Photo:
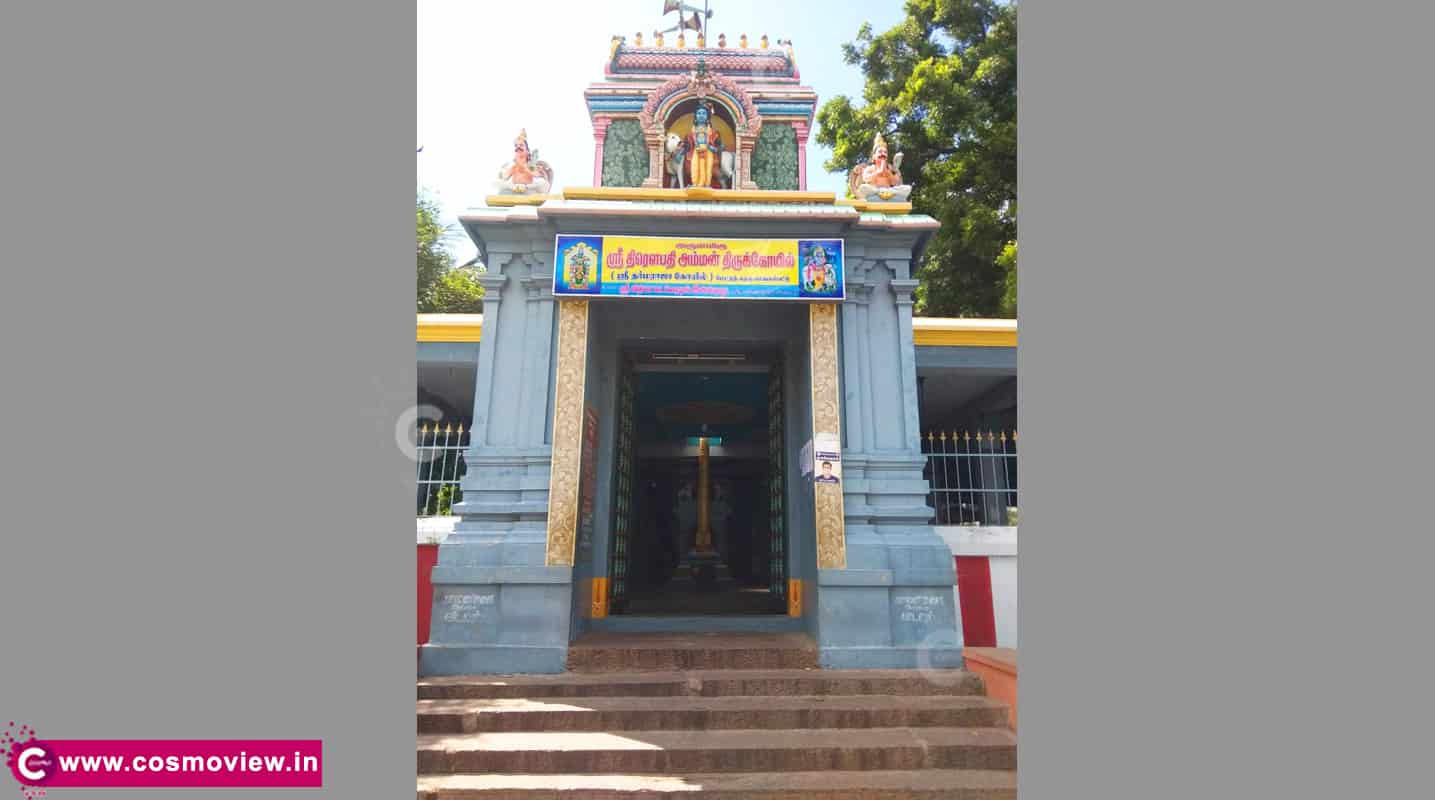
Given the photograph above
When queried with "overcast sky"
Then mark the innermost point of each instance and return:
(486, 69)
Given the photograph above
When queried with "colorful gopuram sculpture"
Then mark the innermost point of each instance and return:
(698, 159)
(525, 174)
(704, 145)
(878, 180)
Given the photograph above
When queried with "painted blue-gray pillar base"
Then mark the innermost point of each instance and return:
(496, 619)
(892, 608)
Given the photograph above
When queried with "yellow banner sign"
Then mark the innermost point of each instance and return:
(651, 266)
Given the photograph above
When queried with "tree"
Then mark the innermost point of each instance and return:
(456, 292)
(442, 287)
(941, 89)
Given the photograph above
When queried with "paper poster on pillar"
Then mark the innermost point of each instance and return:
(827, 458)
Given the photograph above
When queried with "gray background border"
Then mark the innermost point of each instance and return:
(209, 341)
(1224, 211)
(1223, 421)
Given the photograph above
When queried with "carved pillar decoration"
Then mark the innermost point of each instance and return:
(826, 418)
(492, 282)
(654, 138)
(744, 165)
(902, 293)
(564, 478)
(859, 437)
(801, 129)
(600, 132)
(533, 393)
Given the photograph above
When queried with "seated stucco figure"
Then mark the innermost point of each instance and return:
(878, 180)
(525, 174)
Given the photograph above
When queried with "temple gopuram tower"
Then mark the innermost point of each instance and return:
(759, 106)
(696, 398)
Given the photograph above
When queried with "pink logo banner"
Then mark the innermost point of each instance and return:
(167, 763)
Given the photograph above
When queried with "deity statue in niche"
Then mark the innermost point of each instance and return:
(878, 179)
(699, 158)
(525, 174)
(704, 145)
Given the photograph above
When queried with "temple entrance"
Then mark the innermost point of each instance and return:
(699, 524)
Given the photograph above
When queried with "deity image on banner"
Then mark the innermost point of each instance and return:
(578, 265)
(821, 269)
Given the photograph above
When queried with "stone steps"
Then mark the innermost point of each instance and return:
(706, 713)
(725, 715)
(871, 785)
(704, 683)
(629, 652)
(686, 751)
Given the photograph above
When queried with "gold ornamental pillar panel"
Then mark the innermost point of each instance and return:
(563, 478)
(826, 419)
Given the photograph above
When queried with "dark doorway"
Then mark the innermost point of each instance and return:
(674, 402)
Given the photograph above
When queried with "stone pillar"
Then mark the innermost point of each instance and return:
(654, 140)
(499, 607)
(826, 420)
(801, 129)
(891, 605)
(600, 134)
(744, 166)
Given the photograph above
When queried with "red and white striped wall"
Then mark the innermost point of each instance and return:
(986, 583)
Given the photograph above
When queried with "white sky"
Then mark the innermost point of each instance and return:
(486, 69)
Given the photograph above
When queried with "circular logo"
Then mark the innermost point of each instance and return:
(34, 763)
(935, 657)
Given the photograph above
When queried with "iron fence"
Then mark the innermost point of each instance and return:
(972, 476)
(440, 467)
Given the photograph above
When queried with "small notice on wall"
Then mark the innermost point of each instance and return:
(827, 458)
(466, 608)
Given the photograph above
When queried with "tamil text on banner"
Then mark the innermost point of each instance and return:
(655, 266)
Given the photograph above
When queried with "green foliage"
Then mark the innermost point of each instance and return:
(456, 292)
(1007, 261)
(442, 288)
(445, 500)
(941, 88)
(433, 259)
